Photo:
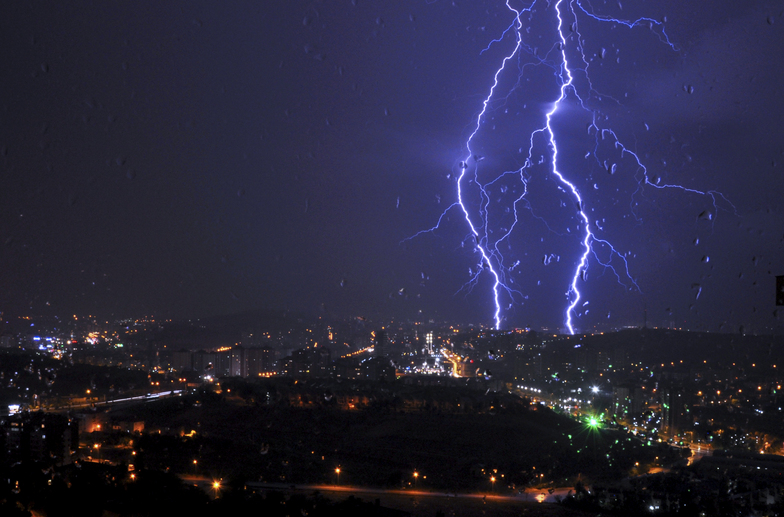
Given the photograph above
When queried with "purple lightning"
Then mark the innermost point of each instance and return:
(569, 39)
(464, 167)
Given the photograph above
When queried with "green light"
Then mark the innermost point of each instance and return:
(593, 422)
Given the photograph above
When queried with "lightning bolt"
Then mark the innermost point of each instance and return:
(573, 82)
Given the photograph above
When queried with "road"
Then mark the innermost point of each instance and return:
(140, 398)
(530, 495)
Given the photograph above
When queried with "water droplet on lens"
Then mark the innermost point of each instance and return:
(696, 241)
(705, 259)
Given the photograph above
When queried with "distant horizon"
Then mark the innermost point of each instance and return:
(312, 318)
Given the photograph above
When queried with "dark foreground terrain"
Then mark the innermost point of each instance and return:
(288, 433)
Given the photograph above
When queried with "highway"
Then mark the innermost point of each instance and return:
(141, 398)
(530, 495)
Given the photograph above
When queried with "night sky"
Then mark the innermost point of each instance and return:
(187, 159)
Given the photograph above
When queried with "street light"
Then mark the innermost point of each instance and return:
(416, 475)
(337, 471)
(492, 481)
